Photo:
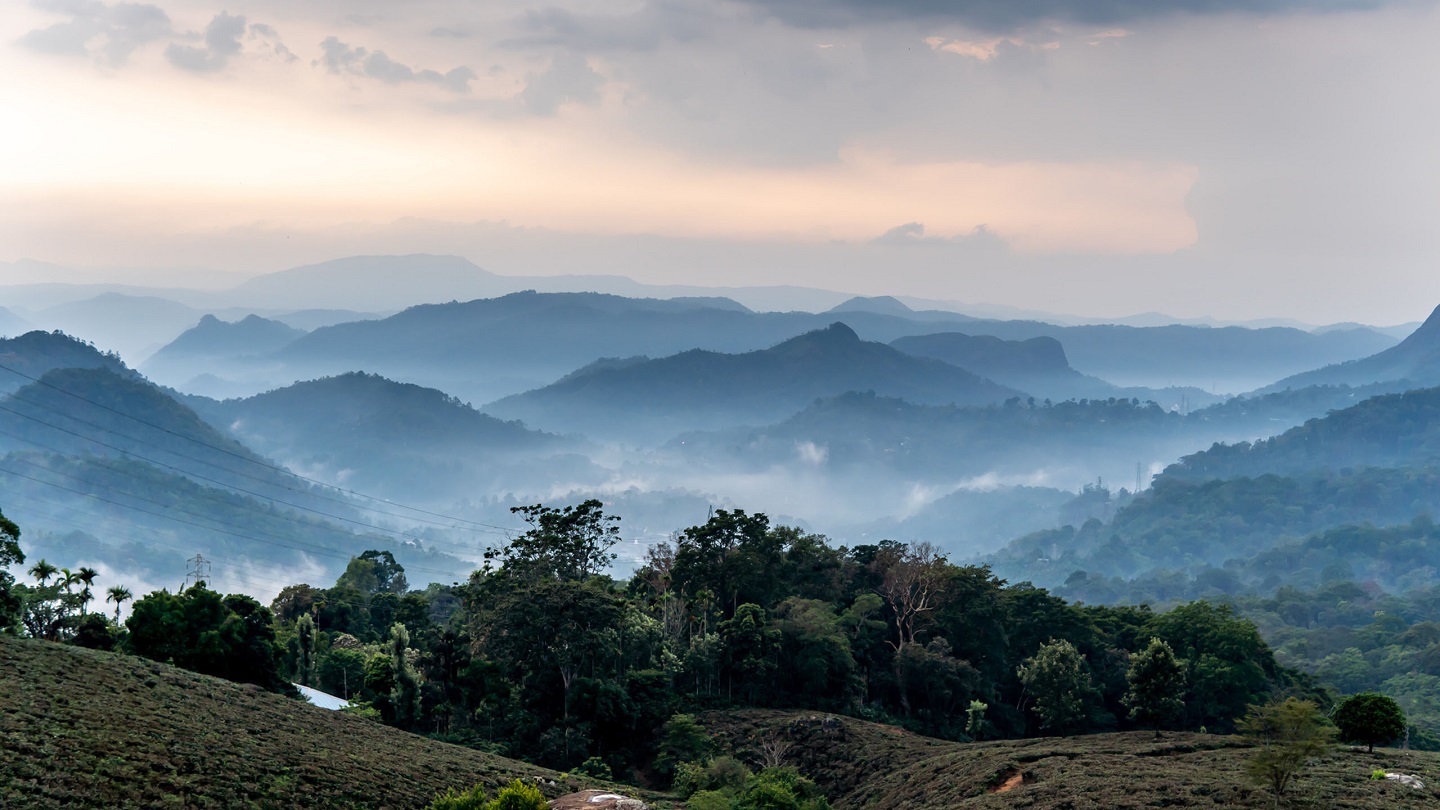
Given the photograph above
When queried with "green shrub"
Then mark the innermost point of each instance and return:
(724, 773)
(708, 800)
(1378, 773)
(519, 796)
(595, 768)
(472, 799)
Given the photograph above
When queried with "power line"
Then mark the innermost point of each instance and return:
(249, 459)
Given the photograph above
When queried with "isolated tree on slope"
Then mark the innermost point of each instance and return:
(1369, 718)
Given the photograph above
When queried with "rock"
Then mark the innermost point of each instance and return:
(597, 800)
(1406, 779)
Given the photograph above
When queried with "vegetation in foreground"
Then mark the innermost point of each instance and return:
(96, 729)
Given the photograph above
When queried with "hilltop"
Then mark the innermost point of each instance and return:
(1415, 361)
(659, 398)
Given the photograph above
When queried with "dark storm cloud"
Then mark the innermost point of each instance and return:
(109, 32)
(340, 58)
(1008, 15)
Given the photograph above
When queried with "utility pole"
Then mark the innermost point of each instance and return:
(199, 572)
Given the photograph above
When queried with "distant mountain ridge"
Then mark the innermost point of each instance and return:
(1415, 360)
(702, 389)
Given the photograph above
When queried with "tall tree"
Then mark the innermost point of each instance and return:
(570, 543)
(1058, 683)
(118, 594)
(1156, 681)
(305, 650)
(405, 697)
(10, 554)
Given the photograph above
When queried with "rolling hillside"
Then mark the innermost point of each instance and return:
(95, 729)
(1415, 360)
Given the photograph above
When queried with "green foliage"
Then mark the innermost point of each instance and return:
(1157, 686)
(681, 740)
(571, 543)
(1287, 735)
(725, 774)
(452, 799)
(709, 800)
(1059, 685)
(1369, 718)
(230, 637)
(519, 795)
(780, 789)
(10, 554)
(595, 768)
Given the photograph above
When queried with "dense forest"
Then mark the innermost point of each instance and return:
(540, 655)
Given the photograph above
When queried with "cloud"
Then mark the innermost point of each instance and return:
(913, 233)
(1011, 15)
(339, 58)
(646, 29)
(568, 79)
(222, 41)
(107, 32)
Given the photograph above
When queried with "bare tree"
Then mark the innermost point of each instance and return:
(911, 579)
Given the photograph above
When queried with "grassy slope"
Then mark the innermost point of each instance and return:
(88, 729)
(863, 765)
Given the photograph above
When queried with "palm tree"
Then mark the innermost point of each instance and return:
(42, 571)
(118, 594)
(86, 576)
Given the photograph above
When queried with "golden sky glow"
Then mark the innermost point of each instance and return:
(1147, 137)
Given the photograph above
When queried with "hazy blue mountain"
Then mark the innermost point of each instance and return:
(12, 324)
(1376, 463)
(214, 346)
(1415, 360)
(398, 440)
(484, 349)
(35, 353)
(1391, 430)
(135, 326)
(699, 389)
(371, 282)
(1038, 366)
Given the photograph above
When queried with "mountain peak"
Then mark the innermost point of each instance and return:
(882, 304)
(836, 334)
(1429, 331)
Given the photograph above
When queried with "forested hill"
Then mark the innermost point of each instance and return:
(31, 355)
(1393, 430)
(398, 440)
(1416, 360)
(656, 399)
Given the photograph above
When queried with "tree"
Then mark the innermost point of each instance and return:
(1287, 735)
(86, 576)
(10, 554)
(1369, 718)
(405, 695)
(911, 578)
(389, 575)
(1156, 682)
(572, 543)
(681, 740)
(305, 650)
(1058, 682)
(42, 571)
(118, 594)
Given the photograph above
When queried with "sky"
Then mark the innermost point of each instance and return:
(1272, 158)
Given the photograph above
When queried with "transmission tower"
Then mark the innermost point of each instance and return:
(199, 571)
